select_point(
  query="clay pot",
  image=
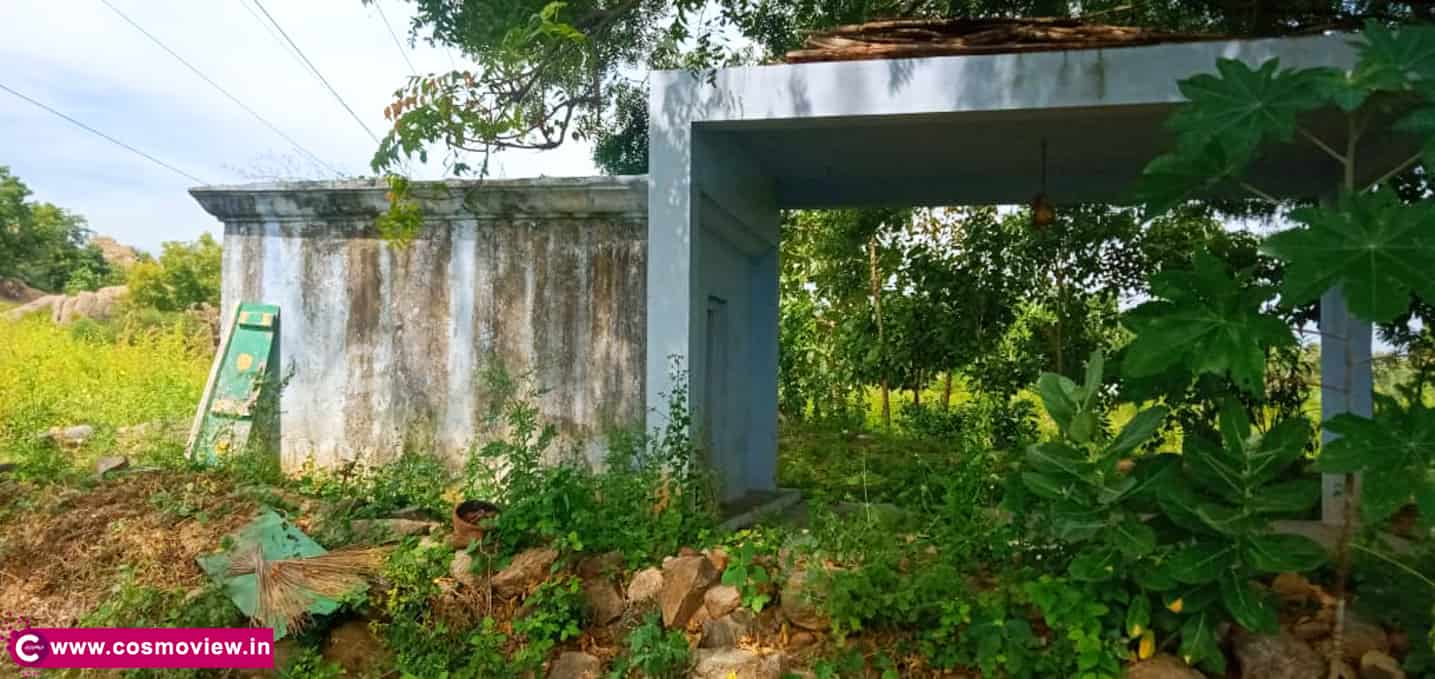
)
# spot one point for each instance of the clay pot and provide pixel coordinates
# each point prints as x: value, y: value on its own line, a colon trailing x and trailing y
x: 468, y: 518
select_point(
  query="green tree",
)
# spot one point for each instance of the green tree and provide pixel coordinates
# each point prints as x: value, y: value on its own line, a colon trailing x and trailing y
x: 185, y: 274
x: 44, y: 245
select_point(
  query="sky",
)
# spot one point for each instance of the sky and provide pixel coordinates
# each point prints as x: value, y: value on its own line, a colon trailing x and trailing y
x: 82, y: 59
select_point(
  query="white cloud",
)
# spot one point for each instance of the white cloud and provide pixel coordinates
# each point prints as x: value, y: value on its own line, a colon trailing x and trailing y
x: 82, y: 59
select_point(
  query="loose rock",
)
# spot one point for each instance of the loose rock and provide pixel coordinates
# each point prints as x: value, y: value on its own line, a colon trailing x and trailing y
x: 726, y: 631
x: 526, y: 570
x: 1276, y: 657
x: 575, y: 665
x: 604, y: 601
x: 1361, y: 637
x: 721, y: 600
x: 736, y: 663
x: 601, y: 565
x: 718, y: 556
x: 799, y: 605
x: 110, y: 463
x: 1163, y: 667
x: 685, y: 580
x: 645, y: 585
x: 391, y: 528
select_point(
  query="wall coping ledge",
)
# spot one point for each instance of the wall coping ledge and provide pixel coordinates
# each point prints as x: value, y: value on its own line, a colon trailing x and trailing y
x: 452, y: 199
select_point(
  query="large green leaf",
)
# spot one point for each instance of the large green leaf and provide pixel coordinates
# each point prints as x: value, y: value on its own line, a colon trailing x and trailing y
x: 1138, y: 430
x: 1200, y: 563
x: 1394, y: 60
x: 1057, y: 394
x: 1283, y: 553
x: 1175, y: 177
x: 1377, y: 249
x: 1198, y: 639
x: 1096, y: 564
x: 1240, y: 106
x: 1286, y: 497
x: 1247, y: 605
x: 1396, y: 449
x: 1207, y: 322
x: 1133, y: 538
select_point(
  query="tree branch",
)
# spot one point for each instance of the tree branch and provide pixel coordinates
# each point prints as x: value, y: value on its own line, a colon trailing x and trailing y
x: 1323, y: 146
x: 1395, y: 171
x: 1259, y: 193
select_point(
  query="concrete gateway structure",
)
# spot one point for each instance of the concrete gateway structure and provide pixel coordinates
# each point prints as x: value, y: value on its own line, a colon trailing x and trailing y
x: 727, y: 153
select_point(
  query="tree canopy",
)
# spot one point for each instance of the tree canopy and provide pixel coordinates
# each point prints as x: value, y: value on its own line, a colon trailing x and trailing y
x: 544, y: 72
x: 44, y: 245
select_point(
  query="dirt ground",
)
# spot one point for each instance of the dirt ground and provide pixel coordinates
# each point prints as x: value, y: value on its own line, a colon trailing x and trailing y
x: 61, y: 548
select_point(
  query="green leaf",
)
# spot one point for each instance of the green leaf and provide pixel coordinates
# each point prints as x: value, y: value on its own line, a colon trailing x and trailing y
x: 1175, y: 177
x: 1056, y: 394
x: 1339, y: 88
x: 1138, y: 615
x: 1394, y: 60
x: 1283, y: 553
x: 1421, y: 122
x: 1241, y: 106
x: 1207, y: 322
x: 1384, y: 491
x: 1223, y: 519
x: 1287, y: 497
x: 1371, y: 245
x: 1198, y: 639
x: 1138, y: 430
x: 1097, y: 564
x: 1200, y: 563
x: 1083, y: 426
x: 1094, y: 370
x: 1045, y: 486
x: 1055, y: 457
x: 1247, y: 605
x: 1133, y: 538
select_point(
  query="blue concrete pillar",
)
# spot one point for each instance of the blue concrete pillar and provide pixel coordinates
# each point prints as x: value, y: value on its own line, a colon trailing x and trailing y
x: 1346, y: 385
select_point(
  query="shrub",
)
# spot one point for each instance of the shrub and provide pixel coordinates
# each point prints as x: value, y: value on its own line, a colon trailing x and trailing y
x: 185, y: 274
x: 653, y: 652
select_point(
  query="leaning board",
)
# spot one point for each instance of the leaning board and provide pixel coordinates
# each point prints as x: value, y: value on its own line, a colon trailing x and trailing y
x: 227, y: 408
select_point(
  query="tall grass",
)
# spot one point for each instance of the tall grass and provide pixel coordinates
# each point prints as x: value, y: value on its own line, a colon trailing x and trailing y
x: 105, y: 376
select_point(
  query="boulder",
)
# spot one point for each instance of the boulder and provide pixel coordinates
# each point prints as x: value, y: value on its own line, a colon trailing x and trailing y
x: 1162, y: 666
x: 1377, y: 665
x: 801, y: 639
x: 115, y: 253
x: 576, y: 665
x: 15, y: 290
x: 1361, y: 637
x: 645, y: 585
x: 685, y: 580
x: 603, y: 565
x: 604, y: 602
x: 353, y: 647
x: 721, y: 600
x: 799, y: 604
x: 526, y: 570
x: 1282, y: 656
x: 726, y: 631
x: 718, y: 556
x: 46, y: 304
x: 734, y: 663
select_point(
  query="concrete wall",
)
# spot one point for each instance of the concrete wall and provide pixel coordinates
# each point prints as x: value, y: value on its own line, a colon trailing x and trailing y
x: 382, y: 343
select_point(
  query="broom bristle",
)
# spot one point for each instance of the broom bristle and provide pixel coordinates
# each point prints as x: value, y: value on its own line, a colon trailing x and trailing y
x: 286, y: 588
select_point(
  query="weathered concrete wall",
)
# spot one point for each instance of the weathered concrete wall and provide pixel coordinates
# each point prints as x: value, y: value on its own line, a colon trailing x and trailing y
x: 380, y: 342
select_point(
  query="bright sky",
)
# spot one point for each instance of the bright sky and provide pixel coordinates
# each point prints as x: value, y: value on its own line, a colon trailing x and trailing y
x: 80, y: 58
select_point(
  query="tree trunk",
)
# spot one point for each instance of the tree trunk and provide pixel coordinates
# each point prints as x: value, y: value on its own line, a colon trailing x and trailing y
x: 947, y: 391
x: 881, y: 337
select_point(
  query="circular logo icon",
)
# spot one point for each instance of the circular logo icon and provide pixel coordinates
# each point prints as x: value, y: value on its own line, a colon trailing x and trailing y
x: 28, y: 648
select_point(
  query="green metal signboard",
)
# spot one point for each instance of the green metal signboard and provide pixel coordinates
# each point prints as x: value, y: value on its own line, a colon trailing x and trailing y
x: 231, y: 398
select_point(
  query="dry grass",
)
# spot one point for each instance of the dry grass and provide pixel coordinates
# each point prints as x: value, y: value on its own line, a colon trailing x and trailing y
x: 288, y: 587
x: 61, y: 547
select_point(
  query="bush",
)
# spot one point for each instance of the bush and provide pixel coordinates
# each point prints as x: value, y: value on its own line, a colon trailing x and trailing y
x: 185, y: 274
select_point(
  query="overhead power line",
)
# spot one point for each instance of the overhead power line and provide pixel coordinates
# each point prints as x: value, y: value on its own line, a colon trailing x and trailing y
x: 316, y: 72
x: 221, y: 90
x: 379, y: 5
x: 108, y: 138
